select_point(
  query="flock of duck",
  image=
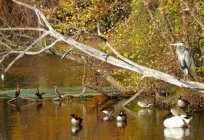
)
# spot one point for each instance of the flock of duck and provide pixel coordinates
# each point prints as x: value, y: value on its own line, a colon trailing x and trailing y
x: 179, y: 119
x: 121, y: 119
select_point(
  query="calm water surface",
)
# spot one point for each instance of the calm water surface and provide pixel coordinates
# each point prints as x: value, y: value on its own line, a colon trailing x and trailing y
x: 46, y: 71
x: 51, y: 121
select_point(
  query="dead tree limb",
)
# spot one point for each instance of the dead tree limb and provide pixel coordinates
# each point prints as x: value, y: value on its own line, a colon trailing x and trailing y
x: 147, y: 72
x: 27, y: 49
x: 133, y: 97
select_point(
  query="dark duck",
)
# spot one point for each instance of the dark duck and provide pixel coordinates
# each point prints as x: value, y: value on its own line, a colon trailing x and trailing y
x: 121, y: 117
x: 17, y: 93
x: 76, y: 120
x: 39, y: 94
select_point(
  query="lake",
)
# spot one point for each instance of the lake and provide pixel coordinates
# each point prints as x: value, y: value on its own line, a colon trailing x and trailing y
x: 50, y: 120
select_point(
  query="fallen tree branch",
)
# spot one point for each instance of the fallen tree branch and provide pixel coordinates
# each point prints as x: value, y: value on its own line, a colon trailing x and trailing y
x: 127, y: 64
x: 27, y: 49
x: 23, y: 29
x: 133, y: 97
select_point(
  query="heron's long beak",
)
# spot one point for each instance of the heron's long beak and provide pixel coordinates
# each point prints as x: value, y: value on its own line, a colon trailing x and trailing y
x: 177, y: 44
x: 174, y: 44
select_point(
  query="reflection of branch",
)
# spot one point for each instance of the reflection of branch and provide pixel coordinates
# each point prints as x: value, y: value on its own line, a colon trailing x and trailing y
x: 83, y: 80
x: 28, y: 48
x: 35, y: 53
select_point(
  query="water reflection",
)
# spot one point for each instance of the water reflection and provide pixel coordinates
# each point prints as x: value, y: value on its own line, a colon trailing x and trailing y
x: 44, y: 71
x: 107, y: 118
x: 48, y: 120
x: 176, y: 133
x: 75, y: 129
x: 144, y: 112
x: 39, y: 106
x: 121, y: 124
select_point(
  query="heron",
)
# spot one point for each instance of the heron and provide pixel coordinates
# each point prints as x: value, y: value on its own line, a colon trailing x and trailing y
x: 184, y: 57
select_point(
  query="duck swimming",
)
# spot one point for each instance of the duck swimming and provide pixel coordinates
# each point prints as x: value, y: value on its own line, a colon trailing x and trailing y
x: 121, y: 117
x: 76, y: 120
x: 177, y: 121
x: 108, y: 110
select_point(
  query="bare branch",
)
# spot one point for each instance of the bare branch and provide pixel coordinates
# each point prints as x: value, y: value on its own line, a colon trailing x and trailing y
x: 193, y: 15
x: 23, y: 29
x: 28, y: 48
x: 40, y: 15
x: 35, y: 53
x: 9, y: 48
x: 133, y: 97
x: 65, y: 54
x: 114, y: 51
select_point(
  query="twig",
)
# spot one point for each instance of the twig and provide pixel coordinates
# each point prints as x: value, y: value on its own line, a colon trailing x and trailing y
x: 28, y: 48
x: 193, y: 15
x: 65, y: 54
x: 138, y: 84
x: 133, y: 97
x: 115, y: 52
x: 9, y: 48
x: 23, y: 29
x: 83, y: 91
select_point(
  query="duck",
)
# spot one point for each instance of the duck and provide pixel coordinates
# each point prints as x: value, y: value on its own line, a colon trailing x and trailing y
x: 17, y: 93
x: 38, y: 94
x: 177, y: 121
x: 121, y: 117
x: 177, y: 111
x: 107, y: 110
x: 76, y: 120
x: 144, y: 103
x: 182, y: 102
